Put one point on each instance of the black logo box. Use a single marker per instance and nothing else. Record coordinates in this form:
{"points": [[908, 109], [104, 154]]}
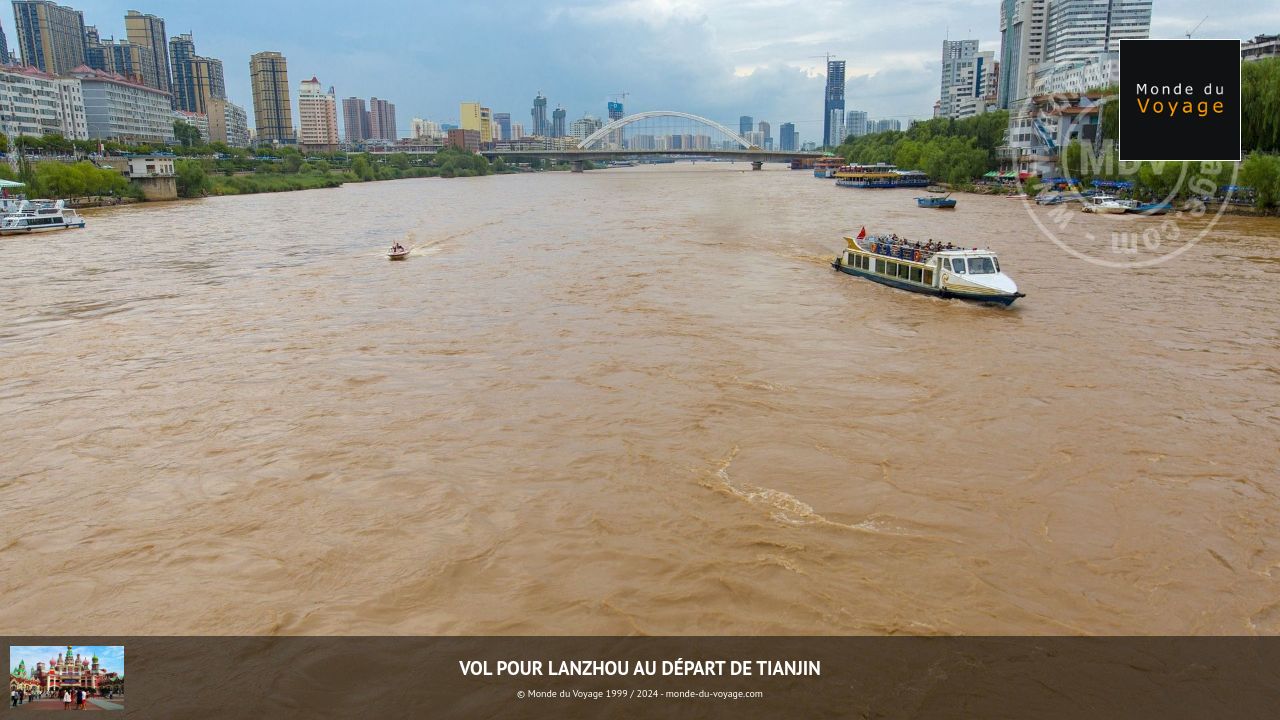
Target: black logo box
{"points": [[1188, 64]]}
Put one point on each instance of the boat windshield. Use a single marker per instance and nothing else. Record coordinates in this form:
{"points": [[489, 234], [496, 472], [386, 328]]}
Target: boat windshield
{"points": [[981, 266]]}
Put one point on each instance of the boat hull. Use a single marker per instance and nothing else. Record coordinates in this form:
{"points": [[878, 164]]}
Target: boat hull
{"points": [[1000, 299], [41, 228], [936, 203], [397, 256]]}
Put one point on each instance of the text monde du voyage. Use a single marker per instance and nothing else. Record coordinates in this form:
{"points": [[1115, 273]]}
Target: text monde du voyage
{"points": [[654, 668], [1179, 100]]}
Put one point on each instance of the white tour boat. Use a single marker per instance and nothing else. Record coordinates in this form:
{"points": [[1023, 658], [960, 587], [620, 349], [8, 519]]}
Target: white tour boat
{"points": [[949, 273], [40, 216], [1108, 205]]}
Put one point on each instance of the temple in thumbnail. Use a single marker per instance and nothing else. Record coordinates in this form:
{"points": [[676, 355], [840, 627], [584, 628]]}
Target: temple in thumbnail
{"points": [[69, 672]]}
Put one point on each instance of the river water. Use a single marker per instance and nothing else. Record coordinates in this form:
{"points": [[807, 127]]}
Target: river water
{"points": [[627, 401]]}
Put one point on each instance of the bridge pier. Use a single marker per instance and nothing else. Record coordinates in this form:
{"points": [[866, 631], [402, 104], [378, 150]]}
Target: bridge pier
{"points": [[757, 164], [579, 166]]}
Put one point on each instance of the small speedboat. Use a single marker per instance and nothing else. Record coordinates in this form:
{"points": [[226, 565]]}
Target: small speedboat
{"points": [[944, 203], [1050, 200], [398, 252]]}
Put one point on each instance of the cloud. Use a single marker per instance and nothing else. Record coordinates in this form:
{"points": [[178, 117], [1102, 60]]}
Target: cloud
{"points": [[719, 58]]}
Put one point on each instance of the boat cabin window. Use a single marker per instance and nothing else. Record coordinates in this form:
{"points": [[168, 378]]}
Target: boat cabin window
{"points": [[880, 266], [903, 270], [915, 274], [981, 266], [957, 265]]}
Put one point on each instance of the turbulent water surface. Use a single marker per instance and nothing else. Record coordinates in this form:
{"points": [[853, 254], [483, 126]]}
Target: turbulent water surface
{"points": [[629, 401]]}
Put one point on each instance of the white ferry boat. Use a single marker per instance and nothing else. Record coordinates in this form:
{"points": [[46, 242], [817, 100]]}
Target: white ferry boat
{"points": [[1108, 205], [949, 272], [40, 216]]}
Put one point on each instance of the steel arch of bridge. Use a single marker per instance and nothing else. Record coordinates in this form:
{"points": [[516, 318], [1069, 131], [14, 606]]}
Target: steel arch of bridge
{"points": [[623, 122]]}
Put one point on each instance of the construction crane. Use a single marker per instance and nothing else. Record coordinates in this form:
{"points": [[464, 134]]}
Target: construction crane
{"points": [[1197, 27]]}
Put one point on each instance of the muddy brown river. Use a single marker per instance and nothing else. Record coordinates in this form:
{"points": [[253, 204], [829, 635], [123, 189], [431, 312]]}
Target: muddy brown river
{"points": [[633, 401]]}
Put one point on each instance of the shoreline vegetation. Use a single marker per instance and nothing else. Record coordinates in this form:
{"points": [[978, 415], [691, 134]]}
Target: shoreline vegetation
{"points": [[52, 166], [959, 152]]}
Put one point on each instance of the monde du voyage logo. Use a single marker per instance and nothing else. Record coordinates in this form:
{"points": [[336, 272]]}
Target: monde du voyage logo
{"points": [[1180, 100]]}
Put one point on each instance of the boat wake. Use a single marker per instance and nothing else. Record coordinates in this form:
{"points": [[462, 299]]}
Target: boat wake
{"points": [[787, 508]]}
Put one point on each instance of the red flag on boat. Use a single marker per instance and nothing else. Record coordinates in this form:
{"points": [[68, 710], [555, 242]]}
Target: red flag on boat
{"points": [[863, 232]]}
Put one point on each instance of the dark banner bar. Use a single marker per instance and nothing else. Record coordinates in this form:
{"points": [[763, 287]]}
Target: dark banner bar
{"points": [[691, 677]]}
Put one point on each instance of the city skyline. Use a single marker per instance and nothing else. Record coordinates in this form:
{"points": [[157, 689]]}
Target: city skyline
{"points": [[728, 60]]}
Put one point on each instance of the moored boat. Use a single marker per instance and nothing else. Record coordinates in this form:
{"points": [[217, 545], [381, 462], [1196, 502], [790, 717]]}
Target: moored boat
{"points": [[826, 167], [943, 272], [40, 216], [877, 176], [943, 203], [1159, 208], [1107, 205]]}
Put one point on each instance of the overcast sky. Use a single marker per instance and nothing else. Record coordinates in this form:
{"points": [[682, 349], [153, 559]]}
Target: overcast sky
{"points": [[717, 58]]}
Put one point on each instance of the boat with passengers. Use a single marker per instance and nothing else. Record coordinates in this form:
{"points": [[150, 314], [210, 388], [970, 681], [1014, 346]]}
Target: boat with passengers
{"points": [[40, 216], [879, 175], [930, 268]]}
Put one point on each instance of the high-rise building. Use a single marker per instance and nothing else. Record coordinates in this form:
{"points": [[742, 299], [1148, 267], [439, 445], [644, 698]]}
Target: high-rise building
{"points": [[469, 116], [502, 125], [766, 131], [228, 123], [197, 80], [787, 137], [745, 125], [582, 128], [1022, 28], [355, 120], [855, 123], [967, 74], [1079, 30], [50, 36], [833, 103], [425, 130], [517, 131], [181, 49], [4, 47], [317, 117], [208, 82], [96, 54], [886, 125], [382, 120], [148, 31], [272, 110], [557, 122], [486, 125], [136, 62], [541, 128]]}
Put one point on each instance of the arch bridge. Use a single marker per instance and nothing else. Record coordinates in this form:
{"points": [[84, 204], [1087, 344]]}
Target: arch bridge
{"points": [[608, 143]]}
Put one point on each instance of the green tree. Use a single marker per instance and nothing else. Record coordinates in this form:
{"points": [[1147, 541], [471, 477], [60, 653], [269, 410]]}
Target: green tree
{"points": [[187, 135], [192, 179], [1262, 173], [362, 169], [1260, 98]]}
